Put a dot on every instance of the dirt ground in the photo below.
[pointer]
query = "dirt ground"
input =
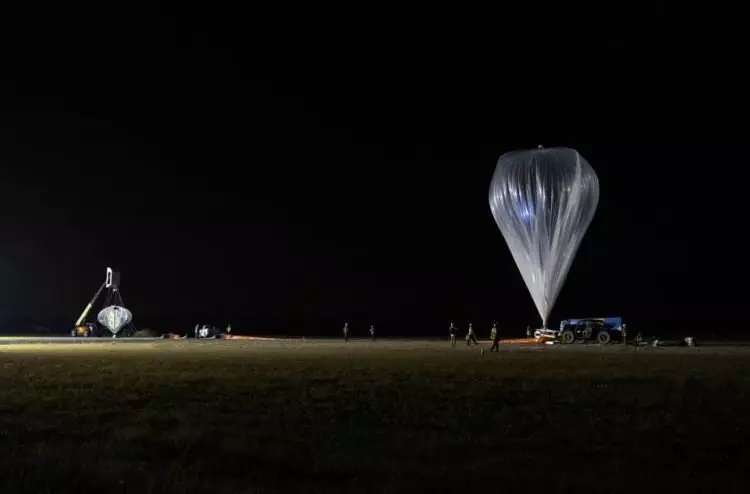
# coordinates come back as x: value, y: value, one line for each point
x: 389, y: 416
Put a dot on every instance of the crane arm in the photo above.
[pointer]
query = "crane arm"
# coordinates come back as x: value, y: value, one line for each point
x: 90, y: 304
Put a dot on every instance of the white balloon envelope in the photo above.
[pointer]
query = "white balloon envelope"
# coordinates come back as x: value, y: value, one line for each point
x: 543, y: 201
x: 114, y: 318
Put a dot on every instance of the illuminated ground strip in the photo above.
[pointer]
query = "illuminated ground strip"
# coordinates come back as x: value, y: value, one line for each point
x: 261, y: 338
x: 10, y: 340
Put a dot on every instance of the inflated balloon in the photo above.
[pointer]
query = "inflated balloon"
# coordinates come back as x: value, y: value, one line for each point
x: 114, y: 318
x: 543, y: 201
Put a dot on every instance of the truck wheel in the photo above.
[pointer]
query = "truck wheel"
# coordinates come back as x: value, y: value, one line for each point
x: 603, y: 337
x: 568, y: 337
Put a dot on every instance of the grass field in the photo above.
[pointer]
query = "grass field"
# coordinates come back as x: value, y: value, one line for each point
x: 394, y: 416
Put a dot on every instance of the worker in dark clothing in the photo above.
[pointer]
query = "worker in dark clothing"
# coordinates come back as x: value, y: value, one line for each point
x: 452, y: 330
x: 528, y: 331
x: 624, y: 335
x: 372, y: 332
x: 470, y: 336
x: 346, y: 331
x: 495, y: 337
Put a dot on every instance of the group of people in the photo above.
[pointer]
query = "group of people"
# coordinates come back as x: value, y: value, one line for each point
x: 346, y: 332
x: 471, y: 336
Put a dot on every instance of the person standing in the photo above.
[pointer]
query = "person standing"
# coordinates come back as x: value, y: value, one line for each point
x: 528, y: 331
x: 372, y: 333
x: 471, y: 336
x: 346, y: 331
x: 452, y: 330
x: 495, y: 339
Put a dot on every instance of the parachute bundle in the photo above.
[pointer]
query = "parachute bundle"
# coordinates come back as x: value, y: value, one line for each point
x: 543, y: 201
x: 114, y: 318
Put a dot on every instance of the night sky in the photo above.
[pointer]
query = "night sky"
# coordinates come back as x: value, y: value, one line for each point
x: 286, y: 177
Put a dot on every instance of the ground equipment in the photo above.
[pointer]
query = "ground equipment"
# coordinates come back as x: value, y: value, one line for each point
x: 113, y: 319
x: 601, y: 330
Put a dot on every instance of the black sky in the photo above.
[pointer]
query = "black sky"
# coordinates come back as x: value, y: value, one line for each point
x: 289, y: 175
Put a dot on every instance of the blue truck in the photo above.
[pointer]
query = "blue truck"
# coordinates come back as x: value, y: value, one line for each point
x: 602, y: 330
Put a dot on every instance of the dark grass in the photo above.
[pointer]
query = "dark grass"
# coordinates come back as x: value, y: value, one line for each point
x: 393, y: 417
